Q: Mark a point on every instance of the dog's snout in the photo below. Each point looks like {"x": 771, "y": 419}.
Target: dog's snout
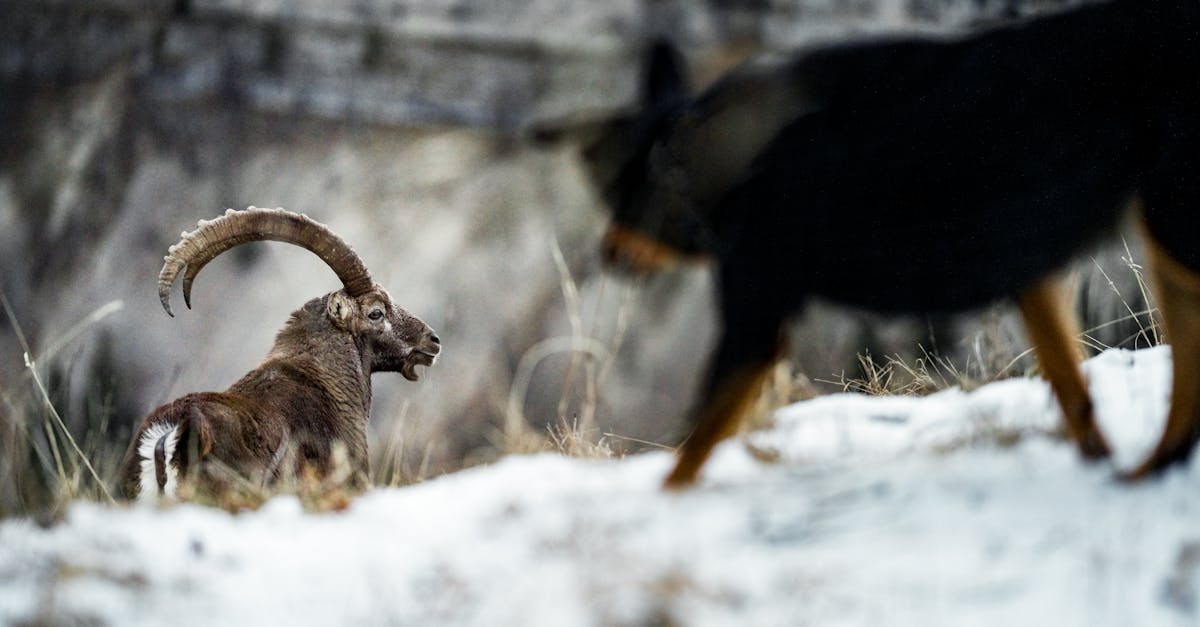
{"x": 608, "y": 252}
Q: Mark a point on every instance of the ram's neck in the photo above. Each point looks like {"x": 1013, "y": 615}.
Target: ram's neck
{"x": 323, "y": 364}
{"x": 336, "y": 370}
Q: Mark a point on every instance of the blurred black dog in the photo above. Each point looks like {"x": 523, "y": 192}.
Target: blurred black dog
{"x": 923, "y": 175}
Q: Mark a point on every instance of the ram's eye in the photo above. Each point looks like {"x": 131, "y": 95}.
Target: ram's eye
{"x": 375, "y": 314}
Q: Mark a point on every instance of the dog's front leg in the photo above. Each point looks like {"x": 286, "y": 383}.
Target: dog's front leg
{"x": 749, "y": 347}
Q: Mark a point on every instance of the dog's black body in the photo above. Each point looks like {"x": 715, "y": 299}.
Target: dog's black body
{"x": 942, "y": 176}
{"x": 923, "y": 176}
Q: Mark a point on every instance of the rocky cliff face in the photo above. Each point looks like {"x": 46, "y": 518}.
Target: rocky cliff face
{"x": 398, "y": 122}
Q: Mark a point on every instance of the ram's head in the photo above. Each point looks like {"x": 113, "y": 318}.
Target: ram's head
{"x": 390, "y": 338}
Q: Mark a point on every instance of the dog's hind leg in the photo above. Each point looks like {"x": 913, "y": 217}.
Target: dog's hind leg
{"x": 1177, "y": 291}
{"x": 719, "y": 419}
{"x": 1053, "y": 329}
{"x": 744, "y": 360}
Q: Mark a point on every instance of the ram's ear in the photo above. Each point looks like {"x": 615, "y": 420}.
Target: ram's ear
{"x": 341, "y": 310}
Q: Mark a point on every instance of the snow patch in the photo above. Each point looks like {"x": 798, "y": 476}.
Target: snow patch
{"x": 954, "y": 509}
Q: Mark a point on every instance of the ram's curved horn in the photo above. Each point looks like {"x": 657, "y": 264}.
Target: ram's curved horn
{"x": 213, "y": 237}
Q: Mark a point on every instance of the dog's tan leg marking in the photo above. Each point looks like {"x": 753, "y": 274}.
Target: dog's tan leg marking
{"x": 1053, "y": 329}
{"x": 720, "y": 419}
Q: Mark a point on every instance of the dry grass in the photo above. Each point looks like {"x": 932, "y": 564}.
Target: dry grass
{"x": 591, "y": 361}
{"x": 394, "y": 466}
{"x": 238, "y": 493}
{"x": 928, "y": 373}
{"x": 43, "y": 467}
{"x": 1148, "y": 320}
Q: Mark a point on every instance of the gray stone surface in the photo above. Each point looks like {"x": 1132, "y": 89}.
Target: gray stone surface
{"x": 505, "y": 65}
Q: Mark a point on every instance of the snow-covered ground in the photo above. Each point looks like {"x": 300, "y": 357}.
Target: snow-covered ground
{"x": 954, "y": 509}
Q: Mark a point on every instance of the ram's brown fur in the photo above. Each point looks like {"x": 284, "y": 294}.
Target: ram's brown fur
{"x": 309, "y": 399}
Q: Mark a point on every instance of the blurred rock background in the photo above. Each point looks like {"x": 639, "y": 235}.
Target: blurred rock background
{"x": 404, "y": 125}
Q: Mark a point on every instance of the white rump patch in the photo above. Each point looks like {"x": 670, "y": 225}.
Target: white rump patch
{"x": 148, "y": 478}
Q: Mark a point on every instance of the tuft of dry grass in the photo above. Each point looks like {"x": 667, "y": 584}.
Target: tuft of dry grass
{"x": 929, "y": 373}
{"x": 43, "y": 466}
{"x": 238, "y": 493}
{"x": 591, "y": 361}
{"x": 572, "y": 440}
{"x": 392, "y": 466}
{"x": 1148, "y": 320}
{"x": 992, "y": 358}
